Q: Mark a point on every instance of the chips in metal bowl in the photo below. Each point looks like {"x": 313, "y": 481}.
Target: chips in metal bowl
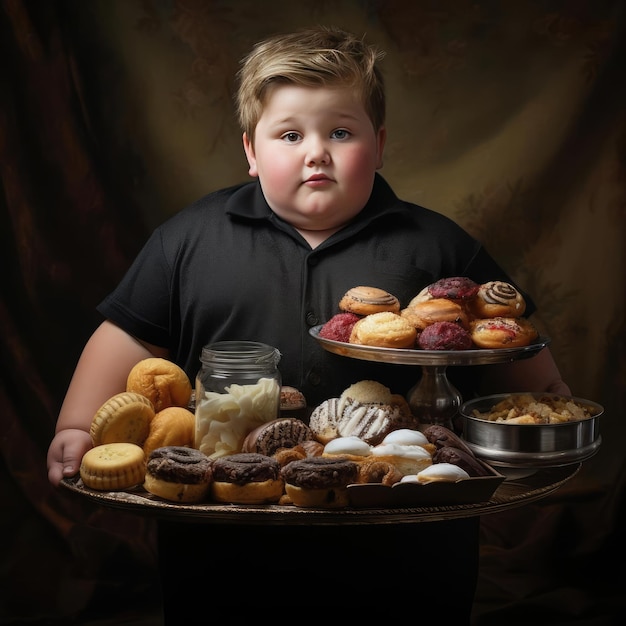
{"x": 532, "y": 430}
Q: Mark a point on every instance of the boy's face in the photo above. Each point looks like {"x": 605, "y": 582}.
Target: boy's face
{"x": 315, "y": 152}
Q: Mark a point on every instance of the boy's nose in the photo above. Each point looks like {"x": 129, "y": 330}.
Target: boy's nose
{"x": 317, "y": 152}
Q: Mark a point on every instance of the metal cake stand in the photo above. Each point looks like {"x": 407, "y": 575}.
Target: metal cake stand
{"x": 433, "y": 399}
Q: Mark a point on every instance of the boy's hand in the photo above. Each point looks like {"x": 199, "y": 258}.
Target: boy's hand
{"x": 66, "y": 452}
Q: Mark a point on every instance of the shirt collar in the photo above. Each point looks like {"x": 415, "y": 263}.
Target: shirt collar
{"x": 249, "y": 202}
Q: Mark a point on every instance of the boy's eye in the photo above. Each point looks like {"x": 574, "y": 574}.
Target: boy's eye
{"x": 291, "y": 137}
{"x": 340, "y": 133}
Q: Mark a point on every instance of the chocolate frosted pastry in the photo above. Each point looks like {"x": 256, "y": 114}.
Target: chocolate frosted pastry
{"x": 246, "y": 478}
{"x": 283, "y": 432}
{"x": 465, "y": 460}
{"x": 178, "y": 473}
{"x": 442, "y": 437}
{"x": 319, "y": 481}
{"x": 498, "y": 299}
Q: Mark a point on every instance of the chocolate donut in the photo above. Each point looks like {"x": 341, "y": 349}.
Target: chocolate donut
{"x": 319, "y": 481}
{"x": 178, "y": 473}
{"x": 246, "y": 478}
{"x": 283, "y": 432}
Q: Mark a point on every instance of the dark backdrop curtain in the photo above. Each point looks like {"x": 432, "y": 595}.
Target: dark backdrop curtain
{"x": 508, "y": 116}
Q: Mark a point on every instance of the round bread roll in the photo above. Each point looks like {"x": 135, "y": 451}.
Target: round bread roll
{"x": 173, "y": 426}
{"x": 319, "y": 481}
{"x": 246, "y": 478}
{"x": 113, "y": 466}
{"x": 366, "y": 392}
{"x": 502, "y": 332}
{"x": 178, "y": 474}
{"x": 124, "y": 418}
{"x": 498, "y": 299}
{"x": 385, "y": 330}
{"x": 161, "y": 381}
{"x": 367, "y": 300}
{"x": 428, "y": 312}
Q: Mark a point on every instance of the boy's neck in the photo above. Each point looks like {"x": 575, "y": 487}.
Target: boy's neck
{"x": 316, "y": 237}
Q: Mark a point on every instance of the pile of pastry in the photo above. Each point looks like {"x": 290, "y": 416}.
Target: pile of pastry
{"x": 367, "y": 435}
{"x": 453, "y": 313}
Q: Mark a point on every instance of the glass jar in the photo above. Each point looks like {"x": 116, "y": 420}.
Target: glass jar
{"x": 237, "y": 389}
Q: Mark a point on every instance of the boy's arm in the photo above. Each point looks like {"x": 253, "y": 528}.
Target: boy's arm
{"x": 102, "y": 370}
{"x": 538, "y": 373}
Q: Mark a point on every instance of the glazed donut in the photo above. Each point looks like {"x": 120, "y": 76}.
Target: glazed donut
{"x": 498, "y": 299}
{"x": 178, "y": 474}
{"x": 385, "y": 330}
{"x": 502, "y": 332}
{"x": 283, "y": 432}
{"x": 367, "y": 300}
{"x": 246, "y": 478}
{"x": 445, "y": 336}
{"x": 374, "y": 470}
{"x": 454, "y": 288}
{"x": 161, "y": 381}
{"x": 339, "y": 327}
{"x": 319, "y": 481}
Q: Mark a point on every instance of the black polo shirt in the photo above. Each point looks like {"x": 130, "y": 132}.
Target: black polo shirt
{"x": 227, "y": 268}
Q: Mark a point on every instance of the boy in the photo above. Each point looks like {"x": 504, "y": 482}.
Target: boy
{"x": 267, "y": 260}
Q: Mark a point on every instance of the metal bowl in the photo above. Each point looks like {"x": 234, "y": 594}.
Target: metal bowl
{"x": 530, "y": 445}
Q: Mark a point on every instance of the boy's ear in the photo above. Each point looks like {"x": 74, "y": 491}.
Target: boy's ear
{"x": 249, "y": 150}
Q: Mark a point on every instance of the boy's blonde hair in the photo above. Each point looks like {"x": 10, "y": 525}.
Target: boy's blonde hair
{"x": 320, "y": 57}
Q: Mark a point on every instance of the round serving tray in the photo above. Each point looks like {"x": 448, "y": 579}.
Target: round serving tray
{"x": 406, "y": 356}
{"x": 510, "y": 493}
